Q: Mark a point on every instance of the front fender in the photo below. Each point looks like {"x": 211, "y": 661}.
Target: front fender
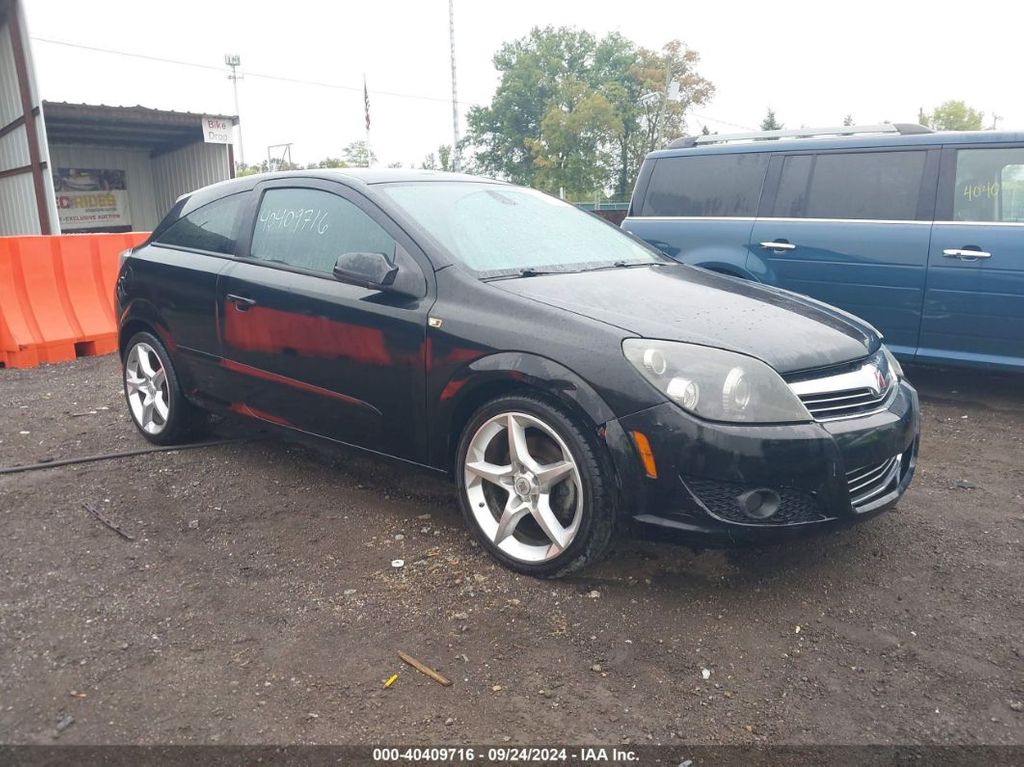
{"x": 490, "y": 376}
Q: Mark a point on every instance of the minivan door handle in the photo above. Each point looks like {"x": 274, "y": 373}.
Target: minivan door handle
{"x": 241, "y": 303}
{"x": 967, "y": 253}
{"x": 778, "y": 245}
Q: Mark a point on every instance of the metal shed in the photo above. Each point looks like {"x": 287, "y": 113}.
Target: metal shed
{"x": 84, "y": 168}
{"x": 146, "y": 157}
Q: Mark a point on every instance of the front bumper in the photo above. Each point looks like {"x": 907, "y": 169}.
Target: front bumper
{"x": 824, "y": 475}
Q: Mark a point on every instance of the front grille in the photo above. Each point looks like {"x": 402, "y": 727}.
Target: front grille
{"x": 869, "y": 482}
{"x": 855, "y": 389}
{"x": 719, "y": 498}
{"x": 840, "y": 404}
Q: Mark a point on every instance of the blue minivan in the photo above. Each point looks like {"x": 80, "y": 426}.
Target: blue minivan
{"x": 920, "y": 233}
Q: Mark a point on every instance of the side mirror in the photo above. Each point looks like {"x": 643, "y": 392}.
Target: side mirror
{"x": 367, "y": 270}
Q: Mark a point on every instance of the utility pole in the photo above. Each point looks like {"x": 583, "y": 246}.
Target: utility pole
{"x": 233, "y": 60}
{"x": 455, "y": 96}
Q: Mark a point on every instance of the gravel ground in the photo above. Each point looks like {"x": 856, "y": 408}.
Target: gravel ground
{"x": 255, "y": 601}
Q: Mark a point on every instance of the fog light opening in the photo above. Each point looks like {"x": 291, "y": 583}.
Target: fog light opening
{"x": 759, "y": 504}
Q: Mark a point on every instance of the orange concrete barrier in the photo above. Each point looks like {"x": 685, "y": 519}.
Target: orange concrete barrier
{"x": 57, "y": 296}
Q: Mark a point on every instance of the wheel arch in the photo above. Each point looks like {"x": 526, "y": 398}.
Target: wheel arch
{"x": 502, "y": 374}
{"x": 142, "y": 316}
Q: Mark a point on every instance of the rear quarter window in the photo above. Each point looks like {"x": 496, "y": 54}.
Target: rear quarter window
{"x": 706, "y": 185}
{"x": 213, "y": 227}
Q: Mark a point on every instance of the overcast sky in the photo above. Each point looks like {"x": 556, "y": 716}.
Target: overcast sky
{"x": 813, "y": 62}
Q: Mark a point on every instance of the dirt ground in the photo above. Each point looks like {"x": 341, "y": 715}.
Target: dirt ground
{"x": 256, "y": 601}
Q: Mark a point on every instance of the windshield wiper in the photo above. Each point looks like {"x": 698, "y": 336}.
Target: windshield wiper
{"x": 624, "y": 265}
{"x": 526, "y": 272}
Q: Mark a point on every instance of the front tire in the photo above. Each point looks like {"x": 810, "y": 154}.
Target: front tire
{"x": 157, "y": 406}
{"x": 535, "y": 486}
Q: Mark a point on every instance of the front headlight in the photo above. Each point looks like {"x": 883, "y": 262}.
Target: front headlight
{"x": 894, "y": 364}
{"x": 715, "y": 384}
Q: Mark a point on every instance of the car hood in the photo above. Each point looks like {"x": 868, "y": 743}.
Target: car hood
{"x": 788, "y": 331}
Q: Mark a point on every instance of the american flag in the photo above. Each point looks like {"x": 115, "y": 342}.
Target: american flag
{"x": 366, "y": 103}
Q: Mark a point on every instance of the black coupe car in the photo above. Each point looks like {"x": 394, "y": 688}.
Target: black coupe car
{"x": 570, "y": 378}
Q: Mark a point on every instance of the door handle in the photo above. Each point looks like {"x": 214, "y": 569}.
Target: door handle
{"x": 241, "y": 303}
{"x": 778, "y": 245}
{"x": 966, "y": 254}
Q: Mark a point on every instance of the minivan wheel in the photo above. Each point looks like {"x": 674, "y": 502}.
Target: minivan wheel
{"x": 153, "y": 393}
{"x": 536, "y": 491}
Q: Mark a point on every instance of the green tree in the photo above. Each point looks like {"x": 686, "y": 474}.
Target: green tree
{"x": 770, "y": 122}
{"x": 439, "y": 160}
{"x": 848, "y": 120}
{"x": 952, "y": 115}
{"x": 659, "y": 121}
{"x": 575, "y": 153}
{"x": 264, "y": 167}
{"x": 354, "y": 155}
{"x": 557, "y": 82}
{"x": 328, "y": 162}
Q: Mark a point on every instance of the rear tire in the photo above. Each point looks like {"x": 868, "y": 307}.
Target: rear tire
{"x": 156, "y": 404}
{"x": 536, "y": 487}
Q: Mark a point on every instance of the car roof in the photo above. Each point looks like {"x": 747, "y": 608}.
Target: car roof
{"x": 353, "y": 177}
{"x": 865, "y": 141}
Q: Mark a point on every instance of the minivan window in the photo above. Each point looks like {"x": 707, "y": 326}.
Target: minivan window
{"x": 708, "y": 185}
{"x": 989, "y": 185}
{"x": 310, "y": 228}
{"x": 213, "y": 227}
{"x": 865, "y": 185}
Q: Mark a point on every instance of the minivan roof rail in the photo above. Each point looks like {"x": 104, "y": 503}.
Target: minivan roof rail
{"x": 903, "y": 129}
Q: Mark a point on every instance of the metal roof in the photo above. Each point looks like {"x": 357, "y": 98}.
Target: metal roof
{"x": 140, "y": 127}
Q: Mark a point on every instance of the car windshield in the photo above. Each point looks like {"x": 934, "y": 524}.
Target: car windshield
{"x": 498, "y": 230}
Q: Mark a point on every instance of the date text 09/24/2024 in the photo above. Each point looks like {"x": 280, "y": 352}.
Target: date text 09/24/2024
{"x": 500, "y": 754}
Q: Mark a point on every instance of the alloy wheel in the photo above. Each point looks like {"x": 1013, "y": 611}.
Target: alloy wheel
{"x": 145, "y": 383}
{"x": 523, "y": 486}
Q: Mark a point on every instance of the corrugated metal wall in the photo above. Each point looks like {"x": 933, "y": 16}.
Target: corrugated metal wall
{"x": 18, "y": 214}
{"x": 187, "y": 169}
{"x": 138, "y": 170}
{"x": 153, "y": 184}
{"x": 10, "y": 97}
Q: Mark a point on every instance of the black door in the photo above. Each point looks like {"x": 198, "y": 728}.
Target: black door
{"x": 307, "y": 351}
{"x": 178, "y": 273}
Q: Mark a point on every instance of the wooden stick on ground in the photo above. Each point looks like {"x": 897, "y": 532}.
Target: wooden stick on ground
{"x": 425, "y": 670}
{"x": 103, "y": 520}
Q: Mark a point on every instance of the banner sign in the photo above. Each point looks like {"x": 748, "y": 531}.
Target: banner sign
{"x": 89, "y": 198}
{"x": 217, "y": 130}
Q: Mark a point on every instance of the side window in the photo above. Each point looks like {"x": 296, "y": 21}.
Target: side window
{"x": 791, "y": 198}
{"x": 310, "y": 228}
{"x": 706, "y": 185}
{"x": 868, "y": 185}
{"x": 989, "y": 185}
{"x": 213, "y": 227}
